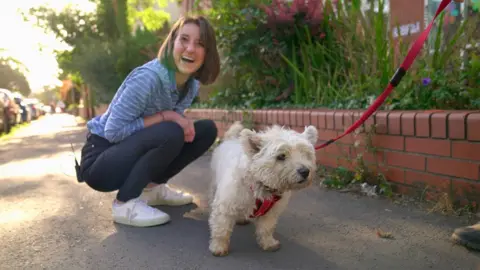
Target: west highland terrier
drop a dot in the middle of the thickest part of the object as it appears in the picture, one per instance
(254, 176)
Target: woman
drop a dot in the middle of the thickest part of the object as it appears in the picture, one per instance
(143, 139)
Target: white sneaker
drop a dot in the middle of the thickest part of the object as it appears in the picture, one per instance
(164, 195)
(137, 213)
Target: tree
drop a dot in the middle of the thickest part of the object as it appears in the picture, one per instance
(12, 76)
(104, 48)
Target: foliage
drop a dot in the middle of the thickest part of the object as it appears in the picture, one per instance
(12, 76)
(108, 64)
(144, 11)
(343, 57)
(104, 47)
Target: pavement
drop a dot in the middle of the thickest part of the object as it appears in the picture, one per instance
(49, 221)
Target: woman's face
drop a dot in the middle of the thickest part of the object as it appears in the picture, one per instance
(188, 50)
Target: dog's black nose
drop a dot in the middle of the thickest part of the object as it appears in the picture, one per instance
(304, 172)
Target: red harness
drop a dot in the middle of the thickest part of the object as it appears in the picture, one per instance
(262, 207)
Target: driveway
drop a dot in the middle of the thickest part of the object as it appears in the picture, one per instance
(49, 221)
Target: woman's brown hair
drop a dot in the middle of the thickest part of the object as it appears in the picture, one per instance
(210, 69)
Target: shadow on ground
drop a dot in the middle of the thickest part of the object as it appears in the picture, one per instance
(41, 146)
(183, 244)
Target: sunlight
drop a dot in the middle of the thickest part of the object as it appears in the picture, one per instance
(30, 44)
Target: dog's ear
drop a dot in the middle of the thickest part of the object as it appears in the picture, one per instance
(311, 134)
(251, 141)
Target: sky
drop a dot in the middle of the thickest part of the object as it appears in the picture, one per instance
(22, 40)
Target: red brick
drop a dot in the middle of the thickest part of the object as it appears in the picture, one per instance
(264, 116)
(326, 160)
(427, 146)
(394, 174)
(298, 118)
(221, 132)
(325, 134)
(314, 119)
(440, 183)
(439, 125)
(466, 150)
(348, 164)
(322, 120)
(269, 117)
(453, 167)
(281, 117)
(338, 120)
(347, 120)
(466, 189)
(257, 116)
(211, 114)
(473, 127)
(456, 125)
(330, 120)
(347, 139)
(223, 115)
(388, 141)
(401, 189)
(394, 123)
(405, 160)
(276, 117)
(292, 118)
(369, 122)
(381, 120)
(371, 157)
(422, 124)
(408, 123)
(306, 117)
(337, 150)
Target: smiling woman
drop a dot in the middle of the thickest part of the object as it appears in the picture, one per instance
(143, 139)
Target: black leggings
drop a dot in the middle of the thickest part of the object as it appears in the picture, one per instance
(153, 154)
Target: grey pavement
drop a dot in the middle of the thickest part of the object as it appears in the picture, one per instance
(49, 221)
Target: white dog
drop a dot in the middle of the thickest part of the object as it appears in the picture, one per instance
(250, 168)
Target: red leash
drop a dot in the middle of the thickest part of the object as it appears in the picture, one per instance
(395, 80)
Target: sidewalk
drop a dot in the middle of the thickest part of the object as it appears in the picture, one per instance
(49, 221)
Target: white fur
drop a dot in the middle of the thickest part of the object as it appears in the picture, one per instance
(245, 167)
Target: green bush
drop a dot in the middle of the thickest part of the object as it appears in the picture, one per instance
(336, 56)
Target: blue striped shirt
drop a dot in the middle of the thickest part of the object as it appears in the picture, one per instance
(148, 89)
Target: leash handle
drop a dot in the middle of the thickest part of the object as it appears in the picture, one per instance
(395, 80)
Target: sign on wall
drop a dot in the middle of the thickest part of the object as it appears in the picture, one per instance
(407, 18)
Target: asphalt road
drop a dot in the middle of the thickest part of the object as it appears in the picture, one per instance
(49, 221)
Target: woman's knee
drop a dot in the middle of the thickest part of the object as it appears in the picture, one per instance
(206, 128)
(166, 133)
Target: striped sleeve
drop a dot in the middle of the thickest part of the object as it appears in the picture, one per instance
(127, 110)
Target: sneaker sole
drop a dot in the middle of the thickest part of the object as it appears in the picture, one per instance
(172, 203)
(146, 223)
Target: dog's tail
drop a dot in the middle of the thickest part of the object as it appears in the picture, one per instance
(234, 131)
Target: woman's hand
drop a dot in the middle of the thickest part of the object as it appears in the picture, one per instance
(188, 128)
(186, 124)
(153, 119)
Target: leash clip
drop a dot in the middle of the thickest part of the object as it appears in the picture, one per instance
(397, 77)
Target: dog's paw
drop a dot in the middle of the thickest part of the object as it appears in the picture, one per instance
(272, 245)
(218, 249)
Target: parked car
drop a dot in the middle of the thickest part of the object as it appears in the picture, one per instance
(26, 111)
(4, 118)
(12, 109)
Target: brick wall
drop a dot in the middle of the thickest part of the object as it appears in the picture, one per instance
(414, 149)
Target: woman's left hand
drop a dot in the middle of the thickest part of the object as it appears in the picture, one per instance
(189, 131)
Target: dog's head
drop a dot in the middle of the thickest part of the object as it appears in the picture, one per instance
(281, 159)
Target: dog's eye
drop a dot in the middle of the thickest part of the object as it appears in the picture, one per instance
(281, 157)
